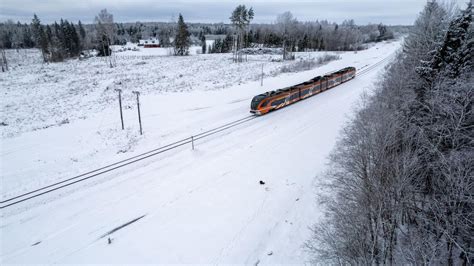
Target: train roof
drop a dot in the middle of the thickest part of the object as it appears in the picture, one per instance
(304, 83)
(288, 89)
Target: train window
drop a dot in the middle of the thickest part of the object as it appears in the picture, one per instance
(255, 101)
(278, 102)
(294, 96)
(304, 92)
(317, 87)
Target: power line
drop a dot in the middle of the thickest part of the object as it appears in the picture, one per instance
(108, 168)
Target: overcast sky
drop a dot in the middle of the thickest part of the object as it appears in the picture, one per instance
(362, 11)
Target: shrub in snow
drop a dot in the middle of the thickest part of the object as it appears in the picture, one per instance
(307, 64)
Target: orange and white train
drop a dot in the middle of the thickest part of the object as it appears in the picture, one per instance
(273, 100)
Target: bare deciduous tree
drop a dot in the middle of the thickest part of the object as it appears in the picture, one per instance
(287, 27)
(105, 28)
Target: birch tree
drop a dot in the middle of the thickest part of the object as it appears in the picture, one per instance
(240, 18)
(287, 25)
(105, 28)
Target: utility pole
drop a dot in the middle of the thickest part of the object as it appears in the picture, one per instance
(120, 106)
(139, 117)
(261, 80)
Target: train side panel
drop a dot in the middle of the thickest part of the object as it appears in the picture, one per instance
(274, 100)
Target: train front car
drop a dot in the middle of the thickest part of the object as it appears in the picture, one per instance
(350, 73)
(255, 105)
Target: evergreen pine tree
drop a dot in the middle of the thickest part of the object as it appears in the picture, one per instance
(26, 38)
(63, 38)
(57, 53)
(40, 37)
(75, 41)
(82, 34)
(6, 39)
(181, 41)
(37, 30)
(203, 43)
(49, 34)
(82, 31)
(35, 26)
(449, 55)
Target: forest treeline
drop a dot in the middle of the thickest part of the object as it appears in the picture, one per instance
(400, 185)
(67, 39)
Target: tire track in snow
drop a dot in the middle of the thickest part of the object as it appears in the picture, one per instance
(228, 247)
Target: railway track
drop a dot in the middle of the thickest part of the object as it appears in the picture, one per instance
(364, 71)
(108, 168)
(15, 200)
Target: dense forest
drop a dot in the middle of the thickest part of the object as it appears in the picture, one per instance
(400, 188)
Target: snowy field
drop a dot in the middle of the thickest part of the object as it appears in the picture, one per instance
(198, 206)
(77, 103)
(36, 96)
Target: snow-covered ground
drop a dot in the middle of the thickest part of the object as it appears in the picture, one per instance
(77, 103)
(37, 96)
(201, 206)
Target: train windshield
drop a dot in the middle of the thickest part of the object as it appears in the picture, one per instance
(255, 101)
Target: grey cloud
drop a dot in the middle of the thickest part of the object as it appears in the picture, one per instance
(362, 11)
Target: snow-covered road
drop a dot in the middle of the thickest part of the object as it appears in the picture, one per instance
(204, 205)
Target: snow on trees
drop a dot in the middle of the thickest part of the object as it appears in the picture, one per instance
(240, 18)
(287, 26)
(58, 42)
(400, 183)
(104, 23)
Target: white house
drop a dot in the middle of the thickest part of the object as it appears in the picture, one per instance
(149, 43)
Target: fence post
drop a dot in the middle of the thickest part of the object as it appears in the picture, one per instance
(192, 142)
(139, 116)
(120, 106)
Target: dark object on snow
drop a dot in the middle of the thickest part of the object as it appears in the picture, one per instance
(121, 226)
(109, 240)
(261, 182)
(3, 124)
(270, 253)
(36, 243)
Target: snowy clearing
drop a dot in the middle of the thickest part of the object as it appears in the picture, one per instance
(201, 206)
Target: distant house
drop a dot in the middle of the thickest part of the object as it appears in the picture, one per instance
(213, 37)
(149, 43)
